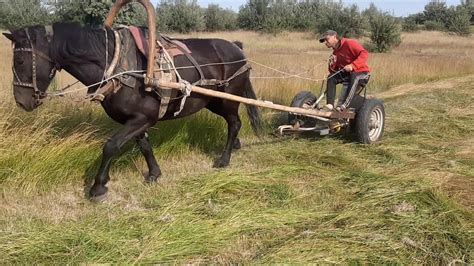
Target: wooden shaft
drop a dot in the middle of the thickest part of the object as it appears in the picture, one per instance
(260, 103)
(151, 19)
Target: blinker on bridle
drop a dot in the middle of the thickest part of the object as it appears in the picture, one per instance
(38, 94)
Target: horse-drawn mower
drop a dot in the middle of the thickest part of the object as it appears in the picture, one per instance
(182, 76)
(364, 118)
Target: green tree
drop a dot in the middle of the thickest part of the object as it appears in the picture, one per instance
(180, 16)
(437, 11)
(410, 23)
(371, 11)
(347, 21)
(252, 15)
(281, 16)
(384, 32)
(219, 19)
(469, 6)
(94, 12)
(434, 26)
(459, 20)
(306, 14)
(21, 13)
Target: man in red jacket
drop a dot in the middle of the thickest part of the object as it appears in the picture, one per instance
(350, 57)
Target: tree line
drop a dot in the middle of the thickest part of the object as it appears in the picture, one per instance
(270, 16)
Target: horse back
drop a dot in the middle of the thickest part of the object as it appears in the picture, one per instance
(217, 58)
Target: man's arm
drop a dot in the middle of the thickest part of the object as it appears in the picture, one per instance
(361, 55)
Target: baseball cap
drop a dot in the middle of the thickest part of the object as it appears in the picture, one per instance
(322, 38)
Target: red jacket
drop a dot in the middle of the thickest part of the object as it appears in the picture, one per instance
(350, 52)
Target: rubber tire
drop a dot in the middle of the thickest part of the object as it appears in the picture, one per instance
(302, 98)
(361, 126)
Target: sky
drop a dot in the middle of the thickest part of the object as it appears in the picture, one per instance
(397, 7)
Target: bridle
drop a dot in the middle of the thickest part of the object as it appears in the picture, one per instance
(38, 94)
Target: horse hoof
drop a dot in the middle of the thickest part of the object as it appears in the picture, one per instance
(236, 145)
(151, 179)
(98, 193)
(220, 164)
(98, 199)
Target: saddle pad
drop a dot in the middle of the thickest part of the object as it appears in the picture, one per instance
(173, 47)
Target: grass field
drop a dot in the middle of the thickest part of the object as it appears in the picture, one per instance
(408, 199)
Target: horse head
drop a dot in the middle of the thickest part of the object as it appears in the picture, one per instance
(33, 69)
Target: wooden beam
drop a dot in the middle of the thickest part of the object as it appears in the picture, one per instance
(259, 103)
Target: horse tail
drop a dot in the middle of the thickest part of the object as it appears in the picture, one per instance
(252, 111)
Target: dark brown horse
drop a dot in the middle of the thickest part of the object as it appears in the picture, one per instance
(39, 52)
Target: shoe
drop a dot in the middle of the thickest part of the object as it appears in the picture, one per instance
(328, 107)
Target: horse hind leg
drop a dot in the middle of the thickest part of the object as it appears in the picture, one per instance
(229, 111)
(154, 171)
(233, 127)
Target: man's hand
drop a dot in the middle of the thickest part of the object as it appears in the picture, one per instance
(349, 68)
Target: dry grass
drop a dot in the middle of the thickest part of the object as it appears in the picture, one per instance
(421, 57)
(297, 200)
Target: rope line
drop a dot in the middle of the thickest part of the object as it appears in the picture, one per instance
(62, 93)
(287, 75)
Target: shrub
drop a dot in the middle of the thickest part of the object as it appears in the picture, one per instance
(280, 16)
(21, 13)
(94, 12)
(434, 25)
(410, 24)
(384, 32)
(469, 5)
(306, 14)
(459, 21)
(218, 19)
(179, 16)
(436, 10)
(274, 16)
(252, 15)
(347, 21)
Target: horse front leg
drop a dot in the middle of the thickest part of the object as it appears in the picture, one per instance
(154, 171)
(132, 128)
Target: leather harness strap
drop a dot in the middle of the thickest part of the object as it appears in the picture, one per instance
(164, 59)
(188, 56)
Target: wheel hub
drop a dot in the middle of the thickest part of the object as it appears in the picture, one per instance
(376, 124)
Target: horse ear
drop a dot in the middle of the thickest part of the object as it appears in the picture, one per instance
(9, 36)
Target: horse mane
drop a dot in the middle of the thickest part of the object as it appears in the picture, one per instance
(74, 43)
